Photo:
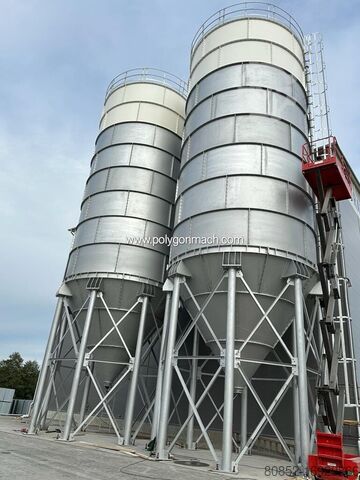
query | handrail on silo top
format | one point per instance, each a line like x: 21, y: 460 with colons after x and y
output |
x: 245, y: 10
x: 149, y: 75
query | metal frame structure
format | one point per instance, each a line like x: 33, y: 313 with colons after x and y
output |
x: 329, y: 347
x: 65, y: 325
x: 338, y: 390
x: 228, y: 359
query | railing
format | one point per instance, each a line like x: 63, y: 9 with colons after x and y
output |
x: 245, y: 10
x: 321, y: 149
x: 324, y: 149
x: 149, y: 75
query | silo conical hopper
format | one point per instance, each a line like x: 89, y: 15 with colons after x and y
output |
x: 246, y: 122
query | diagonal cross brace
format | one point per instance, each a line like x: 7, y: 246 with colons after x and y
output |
x: 265, y: 315
x: 266, y: 417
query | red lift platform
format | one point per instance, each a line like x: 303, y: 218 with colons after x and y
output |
x: 330, y: 462
x: 324, y: 166
x: 326, y: 170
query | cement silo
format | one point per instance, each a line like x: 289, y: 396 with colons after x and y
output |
x: 112, y: 273
x: 243, y: 208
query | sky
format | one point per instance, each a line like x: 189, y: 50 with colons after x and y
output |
x: 56, y: 60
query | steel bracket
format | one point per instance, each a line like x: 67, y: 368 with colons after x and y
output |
x: 237, y: 359
x: 87, y: 359
x: 294, y: 366
x: 131, y: 363
x: 222, y: 358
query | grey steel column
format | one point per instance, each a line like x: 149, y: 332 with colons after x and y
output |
x: 229, y: 374
x: 244, y: 416
x: 43, y: 413
x: 302, y: 373
x: 194, y: 366
x: 78, y: 367
x: 159, y: 379
x: 297, y: 436
x: 51, y: 380
x: 130, y: 404
x: 84, y: 398
x: 44, y: 367
x: 166, y: 390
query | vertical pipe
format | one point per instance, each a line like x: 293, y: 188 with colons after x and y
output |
x: 44, y: 367
x: 78, y: 367
x: 166, y: 390
x: 130, y: 404
x: 194, y: 365
x: 297, y: 437
x: 159, y: 380
x: 302, y: 373
x: 244, y: 416
x: 229, y: 374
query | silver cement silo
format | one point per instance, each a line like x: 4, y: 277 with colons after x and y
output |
x: 241, y: 168
x: 129, y: 196
x: 242, y: 202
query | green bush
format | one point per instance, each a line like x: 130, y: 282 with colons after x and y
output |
x: 20, y: 375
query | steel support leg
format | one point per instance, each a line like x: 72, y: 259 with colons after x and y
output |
x: 51, y: 384
x: 194, y: 364
x: 78, y: 367
x: 166, y: 390
x: 44, y: 367
x: 302, y: 373
x: 130, y: 405
x: 244, y: 416
x: 43, y: 414
x: 297, y: 436
x: 85, y: 397
x: 159, y: 379
x: 226, y: 465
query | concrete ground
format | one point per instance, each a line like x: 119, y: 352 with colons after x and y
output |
x: 96, y: 456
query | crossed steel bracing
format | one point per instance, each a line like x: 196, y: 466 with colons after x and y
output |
x: 295, y: 369
x: 82, y: 363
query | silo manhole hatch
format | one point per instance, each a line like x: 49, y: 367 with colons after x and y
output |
x: 191, y: 463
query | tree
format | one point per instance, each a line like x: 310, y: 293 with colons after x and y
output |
x: 14, y: 373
